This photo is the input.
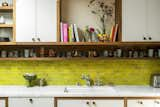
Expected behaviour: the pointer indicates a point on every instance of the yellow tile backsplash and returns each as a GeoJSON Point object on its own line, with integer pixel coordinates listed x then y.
{"type": "Point", "coordinates": [69, 71]}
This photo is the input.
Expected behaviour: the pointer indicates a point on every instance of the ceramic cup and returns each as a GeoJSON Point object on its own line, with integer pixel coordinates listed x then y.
{"type": "Point", "coordinates": [119, 52]}
{"type": "Point", "coordinates": [3, 54]}
{"type": "Point", "coordinates": [106, 53]}
{"type": "Point", "coordinates": [159, 53]}
{"type": "Point", "coordinates": [150, 52]}
{"type": "Point", "coordinates": [26, 53]}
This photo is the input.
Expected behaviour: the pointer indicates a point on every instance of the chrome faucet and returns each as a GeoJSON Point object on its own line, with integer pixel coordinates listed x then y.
{"type": "Point", "coordinates": [89, 81]}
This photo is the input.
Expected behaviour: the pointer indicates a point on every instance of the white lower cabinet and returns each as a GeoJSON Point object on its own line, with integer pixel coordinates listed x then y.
{"type": "Point", "coordinates": [2, 103]}
{"type": "Point", "coordinates": [143, 103]}
{"type": "Point", "coordinates": [90, 103]}
{"type": "Point", "coordinates": [30, 102]}
{"type": "Point", "coordinates": [157, 103]}
{"type": "Point", "coordinates": [140, 103]}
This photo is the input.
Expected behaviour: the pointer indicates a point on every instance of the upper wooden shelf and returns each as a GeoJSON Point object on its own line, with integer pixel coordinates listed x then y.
{"type": "Point", "coordinates": [6, 25]}
{"type": "Point", "coordinates": [80, 44]}
{"type": "Point", "coordinates": [6, 8]}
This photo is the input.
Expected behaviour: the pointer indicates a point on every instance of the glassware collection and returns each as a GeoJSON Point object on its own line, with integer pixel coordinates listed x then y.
{"type": "Point", "coordinates": [49, 52]}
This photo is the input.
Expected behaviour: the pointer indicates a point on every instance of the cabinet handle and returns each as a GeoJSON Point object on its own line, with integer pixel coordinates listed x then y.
{"type": "Point", "coordinates": [144, 38]}
{"type": "Point", "coordinates": [94, 103]}
{"type": "Point", "coordinates": [140, 102]}
{"type": "Point", "coordinates": [157, 102]}
{"type": "Point", "coordinates": [38, 39]}
{"type": "Point", "coordinates": [87, 102]}
{"type": "Point", "coordinates": [150, 38]}
{"type": "Point", "coordinates": [33, 39]}
{"type": "Point", "coordinates": [31, 101]}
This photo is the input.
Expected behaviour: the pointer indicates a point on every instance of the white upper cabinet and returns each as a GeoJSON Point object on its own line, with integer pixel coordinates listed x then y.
{"type": "Point", "coordinates": [133, 23]}
{"type": "Point", "coordinates": [140, 20]}
{"type": "Point", "coordinates": [36, 21]}
{"type": "Point", "coordinates": [153, 19]}
{"type": "Point", "coordinates": [47, 20]}
{"type": "Point", "coordinates": [25, 20]}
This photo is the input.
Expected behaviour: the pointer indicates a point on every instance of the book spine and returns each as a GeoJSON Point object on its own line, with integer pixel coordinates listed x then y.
{"type": "Point", "coordinates": [112, 34]}
{"type": "Point", "coordinates": [115, 33]}
{"type": "Point", "coordinates": [65, 32]}
{"type": "Point", "coordinates": [70, 34]}
{"type": "Point", "coordinates": [76, 33]}
{"type": "Point", "coordinates": [62, 32]}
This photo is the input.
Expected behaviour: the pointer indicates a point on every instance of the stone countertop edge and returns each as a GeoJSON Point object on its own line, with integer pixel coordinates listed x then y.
{"type": "Point", "coordinates": [80, 91]}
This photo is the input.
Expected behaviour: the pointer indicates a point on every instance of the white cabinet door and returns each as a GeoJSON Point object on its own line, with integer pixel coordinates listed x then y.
{"type": "Point", "coordinates": [44, 102]}
{"type": "Point", "coordinates": [107, 103]}
{"type": "Point", "coordinates": [133, 20]}
{"type": "Point", "coordinates": [140, 103]}
{"type": "Point", "coordinates": [2, 103]}
{"type": "Point", "coordinates": [157, 103]}
{"type": "Point", "coordinates": [73, 103]}
{"type": "Point", "coordinates": [153, 19]}
{"type": "Point", "coordinates": [25, 20]}
{"type": "Point", "coordinates": [47, 20]}
{"type": "Point", "coordinates": [20, 102]}
{"type": "Point", "coordinates": [31, 102]}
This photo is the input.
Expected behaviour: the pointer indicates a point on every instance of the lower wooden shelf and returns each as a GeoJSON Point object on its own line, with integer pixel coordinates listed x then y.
{"type": "Point", "coordinates": [75, 58]}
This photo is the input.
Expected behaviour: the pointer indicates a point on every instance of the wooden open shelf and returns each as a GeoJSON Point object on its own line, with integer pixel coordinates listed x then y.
{"type": "Point", "coordinates": [80, 44]}
{"type": "Point", "coordinates": [6, 8]}
{"type": "Point", "coordinates": [6, 25]}
{"type": "Point", "coordinates": [73, 58]}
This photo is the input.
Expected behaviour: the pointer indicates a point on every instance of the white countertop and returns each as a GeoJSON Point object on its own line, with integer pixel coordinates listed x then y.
{"type": "Point", "coordinates": [79, 91]}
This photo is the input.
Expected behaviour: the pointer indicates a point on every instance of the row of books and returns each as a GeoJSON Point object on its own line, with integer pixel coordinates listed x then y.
{"type": "Point", "coordinates": [69, 33]}
{"type": "Point", "coordinates": [114, 33]}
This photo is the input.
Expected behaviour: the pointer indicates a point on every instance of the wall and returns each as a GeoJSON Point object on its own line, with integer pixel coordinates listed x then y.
{"type": "Point", "coordinates": [78, 12]}
{"type": "Point", "coordinates": [68, 72]}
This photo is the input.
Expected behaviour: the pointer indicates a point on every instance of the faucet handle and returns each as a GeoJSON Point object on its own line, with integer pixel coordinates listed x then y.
{"type": "Point", "coordinates": [65, 90]}
{"type": "Point", "coordinates": [78, 84]}
{"type": "Point", "coordinates": [98, 82]}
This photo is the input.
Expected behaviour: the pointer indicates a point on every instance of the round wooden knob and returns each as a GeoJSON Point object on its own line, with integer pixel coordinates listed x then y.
{"type": "Point", "coordinates": [140, 102]}
{"type": "Point", "coordinates": [33, 39]}
{"type": "Point", "coordinates": [94, 103]}
{"type": "Point", "coordinates": [144, 38]}
{"type": "Point", "coordinates": [87, 102]}
{"type": "Point", "coordinates": [39, 39]}
{"type": "Point", "coordinates": [31, 100]}
{"type": "Point", "coordinates": [150, 38]}
{"type": "Point", "coordinates": [157, 102]}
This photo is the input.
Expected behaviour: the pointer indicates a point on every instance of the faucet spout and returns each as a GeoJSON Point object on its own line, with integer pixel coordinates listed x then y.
{"type": "Point", "coordinates": [89, 81]}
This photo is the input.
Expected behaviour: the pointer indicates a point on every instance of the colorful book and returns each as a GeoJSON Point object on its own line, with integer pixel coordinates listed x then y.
{"type": "Point", "coordinates": [62, 32]}
{"type": "Point", "coordinates": [65, 32]}
{"type": "Point", "coordinates": [76, 32]}
{"type": "Point", "coordinates": [115, 33]}
{"type": "Point", "coordinates": [112, 33]}
{"type": "Point", "coordinates": [70, 34]}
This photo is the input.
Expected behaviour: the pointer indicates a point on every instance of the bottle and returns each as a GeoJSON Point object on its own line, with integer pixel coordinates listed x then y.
{"type": "Point", "coordinates": [4, 3]}
{"type": "Point", "coordinates": [2, 20]}
{"type": "Point", "coordinates": [42, 82]}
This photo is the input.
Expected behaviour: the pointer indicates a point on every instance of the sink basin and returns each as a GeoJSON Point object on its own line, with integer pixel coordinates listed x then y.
{"type": "Point", "coordinates": [92, 90]}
